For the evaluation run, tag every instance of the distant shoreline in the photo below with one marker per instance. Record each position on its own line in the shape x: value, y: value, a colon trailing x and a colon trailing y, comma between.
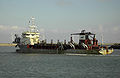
x: 7, y: 44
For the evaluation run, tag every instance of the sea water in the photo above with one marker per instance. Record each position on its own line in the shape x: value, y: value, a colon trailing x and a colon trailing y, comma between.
x: 19, y: 65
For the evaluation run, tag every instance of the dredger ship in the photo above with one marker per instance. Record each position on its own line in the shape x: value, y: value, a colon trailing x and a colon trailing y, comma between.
x: 29, y: 42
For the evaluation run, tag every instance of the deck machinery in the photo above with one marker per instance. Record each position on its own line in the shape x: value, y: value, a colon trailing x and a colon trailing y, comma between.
x: 87, y: 40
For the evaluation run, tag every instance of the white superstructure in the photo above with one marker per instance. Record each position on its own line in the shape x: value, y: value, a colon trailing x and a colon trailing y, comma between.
x: 31, y: 36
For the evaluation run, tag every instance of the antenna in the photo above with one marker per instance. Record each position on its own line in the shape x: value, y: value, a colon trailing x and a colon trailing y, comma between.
x: 32, y: 26
x: 101, y: 39
x: 33, y: 21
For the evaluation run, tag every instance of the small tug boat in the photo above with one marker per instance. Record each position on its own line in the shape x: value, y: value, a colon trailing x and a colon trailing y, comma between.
x: 106, y: 51
x: 29, y: 42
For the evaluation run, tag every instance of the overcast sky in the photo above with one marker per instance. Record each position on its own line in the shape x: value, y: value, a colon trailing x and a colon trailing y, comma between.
x: 57, y: 19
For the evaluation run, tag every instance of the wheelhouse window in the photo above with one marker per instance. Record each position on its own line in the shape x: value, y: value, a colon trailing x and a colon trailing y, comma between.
x: 26, y: 34
x: 32, y: 34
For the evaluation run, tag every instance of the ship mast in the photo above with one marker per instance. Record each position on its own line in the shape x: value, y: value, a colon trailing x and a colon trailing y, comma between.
x: 32, y: 26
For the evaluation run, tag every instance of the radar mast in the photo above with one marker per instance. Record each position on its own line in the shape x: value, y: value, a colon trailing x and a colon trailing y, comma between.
x: 32, y: 26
